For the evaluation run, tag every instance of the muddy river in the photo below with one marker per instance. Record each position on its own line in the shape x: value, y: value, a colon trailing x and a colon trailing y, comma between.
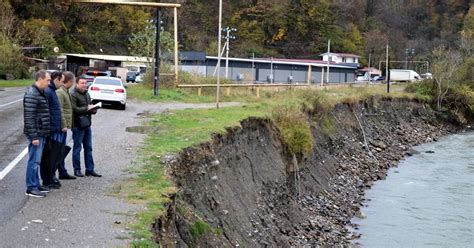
x: 428, y: 201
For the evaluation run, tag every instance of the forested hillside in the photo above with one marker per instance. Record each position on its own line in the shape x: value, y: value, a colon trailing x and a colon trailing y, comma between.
x: 279, y: 28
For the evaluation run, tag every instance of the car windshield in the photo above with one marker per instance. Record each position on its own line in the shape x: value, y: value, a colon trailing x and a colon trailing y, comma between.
x: 131, y: 73
x: 108, y: 81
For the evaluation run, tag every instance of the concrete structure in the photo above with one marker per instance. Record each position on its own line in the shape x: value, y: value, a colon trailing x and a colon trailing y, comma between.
x: 273, y: 70
x: 346, y: 58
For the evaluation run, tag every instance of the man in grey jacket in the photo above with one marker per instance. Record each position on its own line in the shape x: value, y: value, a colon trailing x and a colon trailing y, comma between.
x: 36, y: 129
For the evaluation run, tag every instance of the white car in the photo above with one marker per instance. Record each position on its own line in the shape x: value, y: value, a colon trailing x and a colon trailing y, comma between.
x: 108, y: 90
x: 139, y: 78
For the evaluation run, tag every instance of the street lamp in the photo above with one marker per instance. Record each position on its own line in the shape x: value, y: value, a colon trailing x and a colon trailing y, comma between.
x: 409, y: 55
x: 228, y: 37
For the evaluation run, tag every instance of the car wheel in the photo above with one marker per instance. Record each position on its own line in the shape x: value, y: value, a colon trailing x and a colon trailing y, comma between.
x: 123, y: 106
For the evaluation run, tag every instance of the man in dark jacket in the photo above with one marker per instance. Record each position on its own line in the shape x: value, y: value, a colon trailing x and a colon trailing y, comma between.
x: 36, y: 129
x: 57, y: 79
x: 81, y: 134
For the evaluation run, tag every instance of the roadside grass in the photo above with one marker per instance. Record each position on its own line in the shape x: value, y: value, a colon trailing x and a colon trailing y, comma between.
x: 145, y: 93
x: 177, y: 130
x: 16, y: 83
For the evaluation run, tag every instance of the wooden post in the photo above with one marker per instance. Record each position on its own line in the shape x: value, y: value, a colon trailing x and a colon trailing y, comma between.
x: 228, y: 91
x: 258, y: 92
x: 199, y: 91
x: 309, y: 74
x: 322, y: 76
x: 176, y: 69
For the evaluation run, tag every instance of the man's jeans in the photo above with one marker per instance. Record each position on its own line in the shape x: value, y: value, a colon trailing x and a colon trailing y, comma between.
x: 34, y: 160
x: 62, y: 138
x: 82, y: 136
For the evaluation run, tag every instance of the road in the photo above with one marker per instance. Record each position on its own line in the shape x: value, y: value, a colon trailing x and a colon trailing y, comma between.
x: 82, y: 213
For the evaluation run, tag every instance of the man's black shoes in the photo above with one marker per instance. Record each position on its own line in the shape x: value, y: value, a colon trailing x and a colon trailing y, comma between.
x: 66, y: 177
x: 44, y: 189
x: 93, y: 174
x: 78, y: 173
x: 35, y: 193
x: 53, y: 186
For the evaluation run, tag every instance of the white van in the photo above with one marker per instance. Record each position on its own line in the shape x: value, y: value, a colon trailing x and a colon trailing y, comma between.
x: 400, y: 75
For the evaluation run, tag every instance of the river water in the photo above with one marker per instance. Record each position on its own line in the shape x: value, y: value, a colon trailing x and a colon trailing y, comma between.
x: 428, y: 201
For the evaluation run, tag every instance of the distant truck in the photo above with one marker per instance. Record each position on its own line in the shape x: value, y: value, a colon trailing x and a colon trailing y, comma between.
x: 401, y: 75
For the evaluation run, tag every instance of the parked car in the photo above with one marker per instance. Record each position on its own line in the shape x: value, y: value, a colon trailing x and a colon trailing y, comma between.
x: 139, y: 78
x: 90, y: 75
x: 427, y: 75
x: 131, y: 76
x: 108, y: 90
x: 378, y: 78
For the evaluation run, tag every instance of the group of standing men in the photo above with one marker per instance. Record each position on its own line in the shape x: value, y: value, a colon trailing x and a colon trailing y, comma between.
x: 52, y: 106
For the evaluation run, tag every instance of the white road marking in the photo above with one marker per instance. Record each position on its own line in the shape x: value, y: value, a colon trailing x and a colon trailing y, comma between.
x: 6, y: 104
x: 13, y: 163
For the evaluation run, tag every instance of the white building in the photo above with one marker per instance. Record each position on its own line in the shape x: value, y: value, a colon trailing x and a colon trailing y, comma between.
x: 341, y: 58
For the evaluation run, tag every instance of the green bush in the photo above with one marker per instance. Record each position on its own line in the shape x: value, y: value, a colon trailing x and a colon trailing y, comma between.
x: 424, y: 90
x: 11, y: 59
x: 465, y: 73
x: 461, y: 99
x: 295, y: 129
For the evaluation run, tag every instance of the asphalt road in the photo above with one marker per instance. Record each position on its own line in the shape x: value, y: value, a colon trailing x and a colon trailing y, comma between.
x: 82, y: 213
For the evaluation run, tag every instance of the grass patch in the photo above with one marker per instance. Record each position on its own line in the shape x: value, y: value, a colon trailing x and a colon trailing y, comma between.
x: 199, y: 228
x: 144, y: 92
x: 295, y: 129
x: 16, y: 83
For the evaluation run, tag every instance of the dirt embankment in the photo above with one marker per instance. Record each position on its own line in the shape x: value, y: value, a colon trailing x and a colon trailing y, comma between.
x: 243, y: 189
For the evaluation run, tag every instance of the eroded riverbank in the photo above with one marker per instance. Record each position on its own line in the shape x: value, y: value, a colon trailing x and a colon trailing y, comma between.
x: 244, y: 189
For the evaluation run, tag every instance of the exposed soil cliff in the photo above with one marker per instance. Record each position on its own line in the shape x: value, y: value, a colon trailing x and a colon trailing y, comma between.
x: 244, y: 189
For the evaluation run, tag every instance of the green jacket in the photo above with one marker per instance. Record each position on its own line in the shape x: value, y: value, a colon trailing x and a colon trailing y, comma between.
x: 66, y: 108
x: 80, y: 102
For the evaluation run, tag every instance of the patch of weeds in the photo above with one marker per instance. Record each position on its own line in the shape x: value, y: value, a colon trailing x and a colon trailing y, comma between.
x: 144, y: 244
x: 199, y: 228
x: 181, y: 211
x: 317, y: 103
x: 295, y: 129
x: 327, y: 124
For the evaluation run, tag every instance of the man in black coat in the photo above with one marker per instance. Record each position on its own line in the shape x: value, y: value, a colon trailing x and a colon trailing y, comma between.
x: 36, y: 129
x: 81, y: 133
x: 47, y: 167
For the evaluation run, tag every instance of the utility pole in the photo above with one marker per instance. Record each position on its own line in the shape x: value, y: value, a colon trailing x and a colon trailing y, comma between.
x: 387, y: 71
x: 228, y: 37
x: 329, y: 58
x: 370, y: 70
x: 271, y: 70
x: 409, y: 54
x: 253, y: 67
x: 157, y: 52
x: 219, y: 38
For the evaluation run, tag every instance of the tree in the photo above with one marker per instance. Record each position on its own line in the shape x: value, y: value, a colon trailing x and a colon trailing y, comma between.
x: 11, y: 59
x: 142, y: 43
x: 8, y: 20
x: 445, y: 63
